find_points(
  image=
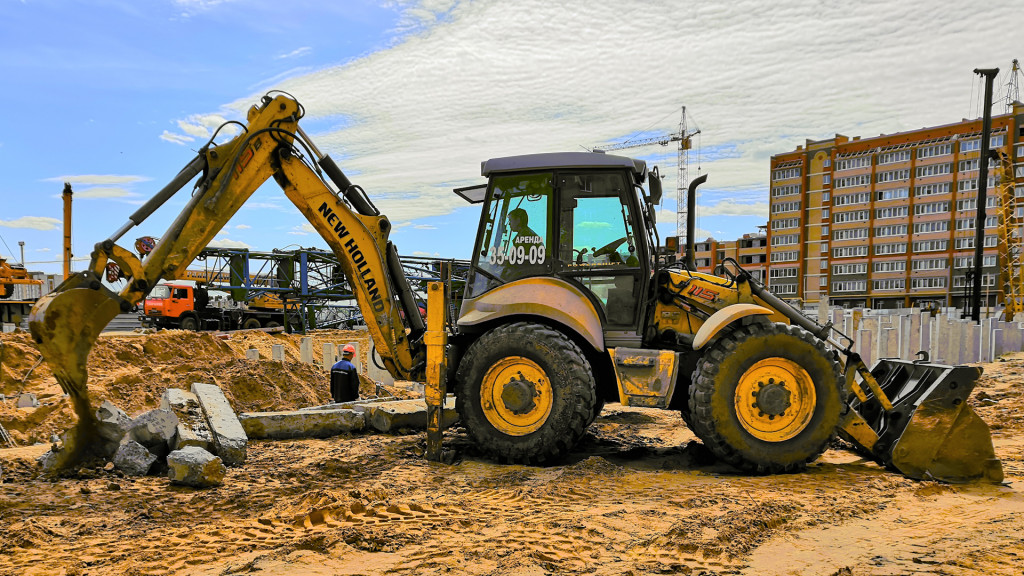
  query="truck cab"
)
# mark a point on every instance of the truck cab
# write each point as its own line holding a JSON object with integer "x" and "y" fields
{"x": 174, "y": 305}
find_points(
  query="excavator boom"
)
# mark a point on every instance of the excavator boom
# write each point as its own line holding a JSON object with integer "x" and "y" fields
{"x": 66, "y": 323}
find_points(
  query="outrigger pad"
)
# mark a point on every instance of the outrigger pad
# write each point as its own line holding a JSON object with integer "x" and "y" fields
{"x": 931, "y": 432}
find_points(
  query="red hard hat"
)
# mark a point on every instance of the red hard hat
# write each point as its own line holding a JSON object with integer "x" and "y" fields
{"x": 348, "y": 349}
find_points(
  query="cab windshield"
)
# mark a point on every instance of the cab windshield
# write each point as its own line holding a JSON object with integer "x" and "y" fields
{"x": 160, "y": 293}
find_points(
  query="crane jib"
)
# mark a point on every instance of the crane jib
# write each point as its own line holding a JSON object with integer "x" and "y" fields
{"x": 356, "y": 255}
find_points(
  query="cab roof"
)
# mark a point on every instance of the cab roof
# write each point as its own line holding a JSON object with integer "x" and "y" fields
{"x": 551, "y": 160}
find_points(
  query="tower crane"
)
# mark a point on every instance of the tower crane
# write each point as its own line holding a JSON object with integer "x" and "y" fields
{"x": 684, "y": 137}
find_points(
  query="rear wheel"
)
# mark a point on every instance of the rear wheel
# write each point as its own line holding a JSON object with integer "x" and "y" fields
{"x": 189, "y": 323}
{"x": 272, "y": 324}
{"x": 765, "y": 397}
{"x": 525, "y": 393}
{"x": 251, "y": 324}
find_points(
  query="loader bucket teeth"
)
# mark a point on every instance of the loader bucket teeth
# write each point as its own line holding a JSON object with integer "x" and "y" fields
{"x": 931, "y": 433}
{"x": 65, "y": 325}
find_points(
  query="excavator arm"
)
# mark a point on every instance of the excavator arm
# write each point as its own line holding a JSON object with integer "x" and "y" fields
{"x": 66, "y": 322}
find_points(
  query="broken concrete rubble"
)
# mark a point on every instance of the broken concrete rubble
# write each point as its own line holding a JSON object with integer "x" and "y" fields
{"x": 155, "y": 430}
{"x": 192, "y": 429}
{"x": 114, "y": 423}
{"x": 392, "y": 416}
{"x": 227, "y": 434}
{"x": 133, "y": 459}
{"x": 301, "y": 423}
{"x": 193, "y": 466}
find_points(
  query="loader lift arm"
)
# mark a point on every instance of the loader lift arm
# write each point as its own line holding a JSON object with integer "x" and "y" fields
{"x": 66, "y": 323}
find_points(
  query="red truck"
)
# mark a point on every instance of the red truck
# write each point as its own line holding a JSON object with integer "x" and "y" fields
{"x": 188, "y": 307}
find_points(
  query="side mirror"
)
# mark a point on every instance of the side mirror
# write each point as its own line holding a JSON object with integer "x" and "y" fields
{"x": 654, "y": 185}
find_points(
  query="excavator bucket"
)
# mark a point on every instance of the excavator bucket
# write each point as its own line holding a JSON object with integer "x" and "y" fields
{"x": 930, "y": 432}
{"x": 65, "y": 325}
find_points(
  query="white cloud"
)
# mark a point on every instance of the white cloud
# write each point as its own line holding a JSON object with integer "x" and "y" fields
{"x": 226, "y": 243}
{"x": 425, "y": 254}
{"x": 467, "y": 84}
{"x": 33, "y": 222}
{"x": 303, "y": 230}
{"x": 295, "y": 53}
{"x": 43, "y": 250}
{"x": 424, "y": 227}
{"x": 103, "y": 192}
{"x": 97, "y": 179}
{"x": 243, "y": 227}
{"x": 731, "y": 208}
{"x": 176, "y": 138}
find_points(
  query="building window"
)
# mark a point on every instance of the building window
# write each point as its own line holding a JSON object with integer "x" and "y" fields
{"x": 784, "y": 223}
{"x": 851, "y": 181}
{"x": 785, "y": 207}
{"x": 931, "y": 246}
{"x": 934, "y": 170}
{"x": 934, "y": 150}
{"x": 783, "y": 289}
{"x": 894, "y": 157}
{"x": 928, "y": 227}
{"x": 892, "y": 176}
{"x": 845, "y": 269}
{"x": 787, "y": 190}
{"x": 786, "y": 256}
{"x": 854, "y": 216}
{"x": 988, "y": 261}
{"x": 931, "y": 208}
{"x": 997, "y": 141}
{"x": 889, "y": 284}
{"x": 786, "y": 173}
{"x": 890, "y": 266}
{"x": 850, "y": 252}
{"x": 896, "y": 248}
{"x": 826, "y": 179}
{"x": 986, "y": 280}
{"x": 928, "y": 282}
{"x": 891, "y": 230}
{"x": 850, "y": 286}
{"x": 891, "y": 194}
{"x": 827, "y": 163}
{"x": 782, "y": 273}
{"x": 931, "y": 189}
{"x": 853, "y": 163}
{"x": 850, "y": 234}
{"x": 930, "y": 264}
{"x": 970, "y": 145}
{"x": 846, "y": 199}
{"x": 785, "y": 239}
{"x": 971, "y": 224}
{"x": 894, "y": 212}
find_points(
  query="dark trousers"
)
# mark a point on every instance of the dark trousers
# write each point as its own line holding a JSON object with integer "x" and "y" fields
{"x": 344, "y": 386}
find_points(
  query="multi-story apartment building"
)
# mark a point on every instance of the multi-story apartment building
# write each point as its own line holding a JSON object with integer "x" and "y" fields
{"x": 888, "y": 221}
{"x": 750, "y": 251}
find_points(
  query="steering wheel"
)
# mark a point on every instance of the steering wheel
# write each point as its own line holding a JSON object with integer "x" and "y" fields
{"x": 579, "y": 255}
{"x": 609, "y": 247}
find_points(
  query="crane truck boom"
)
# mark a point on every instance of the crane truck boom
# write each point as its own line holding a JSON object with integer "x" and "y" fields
{"x": 566, "y": 307}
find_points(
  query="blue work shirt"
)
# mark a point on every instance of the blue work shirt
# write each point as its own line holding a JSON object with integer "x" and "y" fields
{"x": 343, "y": 365}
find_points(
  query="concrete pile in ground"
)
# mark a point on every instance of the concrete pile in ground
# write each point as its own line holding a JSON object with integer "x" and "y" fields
{"x": 191, "y": 437}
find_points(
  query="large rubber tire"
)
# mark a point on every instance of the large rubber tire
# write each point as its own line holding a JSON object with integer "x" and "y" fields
{"x": 556, "y": 372}
{"x": 251, "y": 324}
{"x": 189, "y": 323}
{"x": 736, "y": 368}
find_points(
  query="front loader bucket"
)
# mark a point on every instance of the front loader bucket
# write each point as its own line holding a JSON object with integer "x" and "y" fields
{"x": 65, "y": 325}
{"x": 930, "y": 433}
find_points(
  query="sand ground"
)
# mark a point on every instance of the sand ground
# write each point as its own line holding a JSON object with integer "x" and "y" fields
{"x": 638, "y": 496}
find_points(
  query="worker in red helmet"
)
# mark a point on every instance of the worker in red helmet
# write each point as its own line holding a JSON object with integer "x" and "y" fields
{"x": 344, "y": 378}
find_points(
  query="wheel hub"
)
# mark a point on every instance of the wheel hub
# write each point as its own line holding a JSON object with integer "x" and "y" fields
{"x": 772, "y": 398}
{"x": 518, "y": 395}
{"x": 775, "y": 399}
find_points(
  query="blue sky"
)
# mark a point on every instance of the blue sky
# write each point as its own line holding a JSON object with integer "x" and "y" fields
{"x": 410, "y": 96}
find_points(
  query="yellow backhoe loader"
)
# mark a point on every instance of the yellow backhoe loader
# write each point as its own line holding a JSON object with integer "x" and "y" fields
{"x": 565, "y": 308}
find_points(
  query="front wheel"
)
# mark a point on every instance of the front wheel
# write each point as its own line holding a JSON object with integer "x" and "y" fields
{"x": 765, "y": 397}
{"x": 189, "y": 323}
{"x": 525, "y": 393}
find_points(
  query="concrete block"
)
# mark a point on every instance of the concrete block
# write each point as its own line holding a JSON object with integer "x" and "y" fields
{"x": 155, "y": 430}
{"x": 328, "y": 359}
{"x": 301, "y": 423}
{"x": 997, "y": 343}
{"x": 229, "y": 439}
{"x": 377, "y": 374}
{"x": 864, "y": 347}
{"x": 971, "y": 343}
{"x": 349, "y": 405}
{"x": 27, "y": 400}
{"x": 133, "y": 459}
{"x": 277, "y": 352}
{"x": 306, "y": 350}
{"x": 392, "y": 416}
{"x": 192, "y": 429}
{"x": 252, "y": 354}
{"x": 114, "y": 423}
{"x": 193, "y": 466}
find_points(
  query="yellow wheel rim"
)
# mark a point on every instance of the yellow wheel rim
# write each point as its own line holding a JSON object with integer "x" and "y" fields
{"x": 775, "y": 399}
{"x": 516, "y": 396}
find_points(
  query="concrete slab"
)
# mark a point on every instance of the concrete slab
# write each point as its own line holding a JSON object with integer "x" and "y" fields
{"x": 392, "y": 416}
{"x": 192, "y": 429}
{"x": 349, "y": 405}
{"x": 28, "y": 400}
{"x": 195, "y": 467}
{"x": 301, "y": 423}
{"x": 229, "y": 439}
{"x": 306, "y": 350}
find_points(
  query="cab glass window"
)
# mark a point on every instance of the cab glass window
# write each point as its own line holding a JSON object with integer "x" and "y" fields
{"x": 515, "y": 239}
{"x": 597, "y": 230}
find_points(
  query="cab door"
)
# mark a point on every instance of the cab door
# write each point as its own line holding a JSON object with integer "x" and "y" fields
{"x": 601, "y": 247}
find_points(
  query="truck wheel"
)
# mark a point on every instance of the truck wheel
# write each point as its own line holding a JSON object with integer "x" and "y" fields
{"x": 251, "y": 324}
{"x": 272, "y": 324}
{"x": 189, "y": 323}
{"x": 525, "y": 393}
{"x": 765, "y": 397}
